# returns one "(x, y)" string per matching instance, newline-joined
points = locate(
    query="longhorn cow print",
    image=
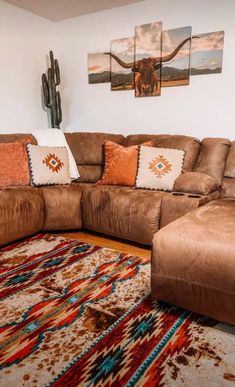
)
(145, 70)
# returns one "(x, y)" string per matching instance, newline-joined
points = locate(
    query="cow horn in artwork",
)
(170, 56)
(121, 62)
(156, 60)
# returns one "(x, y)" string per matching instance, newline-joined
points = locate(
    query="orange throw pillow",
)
(14, 169)
(120, 164)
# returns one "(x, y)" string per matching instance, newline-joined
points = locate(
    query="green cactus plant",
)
(51, 96)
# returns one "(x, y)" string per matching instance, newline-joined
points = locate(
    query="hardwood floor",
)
(111, 243)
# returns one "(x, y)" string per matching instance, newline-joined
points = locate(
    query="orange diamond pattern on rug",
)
(160, 166)
(53, 162)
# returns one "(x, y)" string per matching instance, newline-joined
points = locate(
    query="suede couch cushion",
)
(87, 148)
(21, 213)
(196, 183)
(14, 167)
(90, 173)
(13, 137)
(230, 164)
(228, 188)
(212, 157)
(62, 207)
(189, 145)
(122, 212)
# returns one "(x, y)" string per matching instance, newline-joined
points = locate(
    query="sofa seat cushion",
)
(62, 207)
(122, 212)
(193, 261)
(21, 213)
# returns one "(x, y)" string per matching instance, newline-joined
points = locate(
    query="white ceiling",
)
(63, 9)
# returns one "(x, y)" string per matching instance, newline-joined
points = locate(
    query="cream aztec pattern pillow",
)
(159, 167)
(48, 165)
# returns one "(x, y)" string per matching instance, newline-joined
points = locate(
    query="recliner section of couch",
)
(62, 207)
(122, 212)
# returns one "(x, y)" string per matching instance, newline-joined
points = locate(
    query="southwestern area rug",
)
(74, 314)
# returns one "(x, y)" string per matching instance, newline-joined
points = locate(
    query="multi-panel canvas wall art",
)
(122, 58)
(98, 68)
(207, 53)
(153, 59)
(148, 59)
(176, 46)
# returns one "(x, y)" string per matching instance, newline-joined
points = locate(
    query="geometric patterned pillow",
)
(48, 165)
(159, 167)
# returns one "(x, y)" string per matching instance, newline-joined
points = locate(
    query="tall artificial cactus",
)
(51, 96)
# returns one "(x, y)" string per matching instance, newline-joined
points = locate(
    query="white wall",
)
(205, 108)
(24, 42)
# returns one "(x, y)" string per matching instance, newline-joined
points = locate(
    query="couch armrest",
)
(196, 183)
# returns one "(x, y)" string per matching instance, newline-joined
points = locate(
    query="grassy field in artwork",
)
(170, 83)
(122, 87)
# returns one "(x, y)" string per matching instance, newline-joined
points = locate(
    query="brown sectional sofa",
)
(123, 212)
(138, 215)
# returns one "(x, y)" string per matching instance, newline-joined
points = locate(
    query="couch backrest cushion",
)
(230, 164)
(90, 173)
(189, 145)
(87, 148)
(228, 184)
(13, 137)
(137, 139)
(88, 151)
(228, 188)
(212, 157)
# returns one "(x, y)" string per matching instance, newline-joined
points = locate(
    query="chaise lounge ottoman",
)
(193, 261)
